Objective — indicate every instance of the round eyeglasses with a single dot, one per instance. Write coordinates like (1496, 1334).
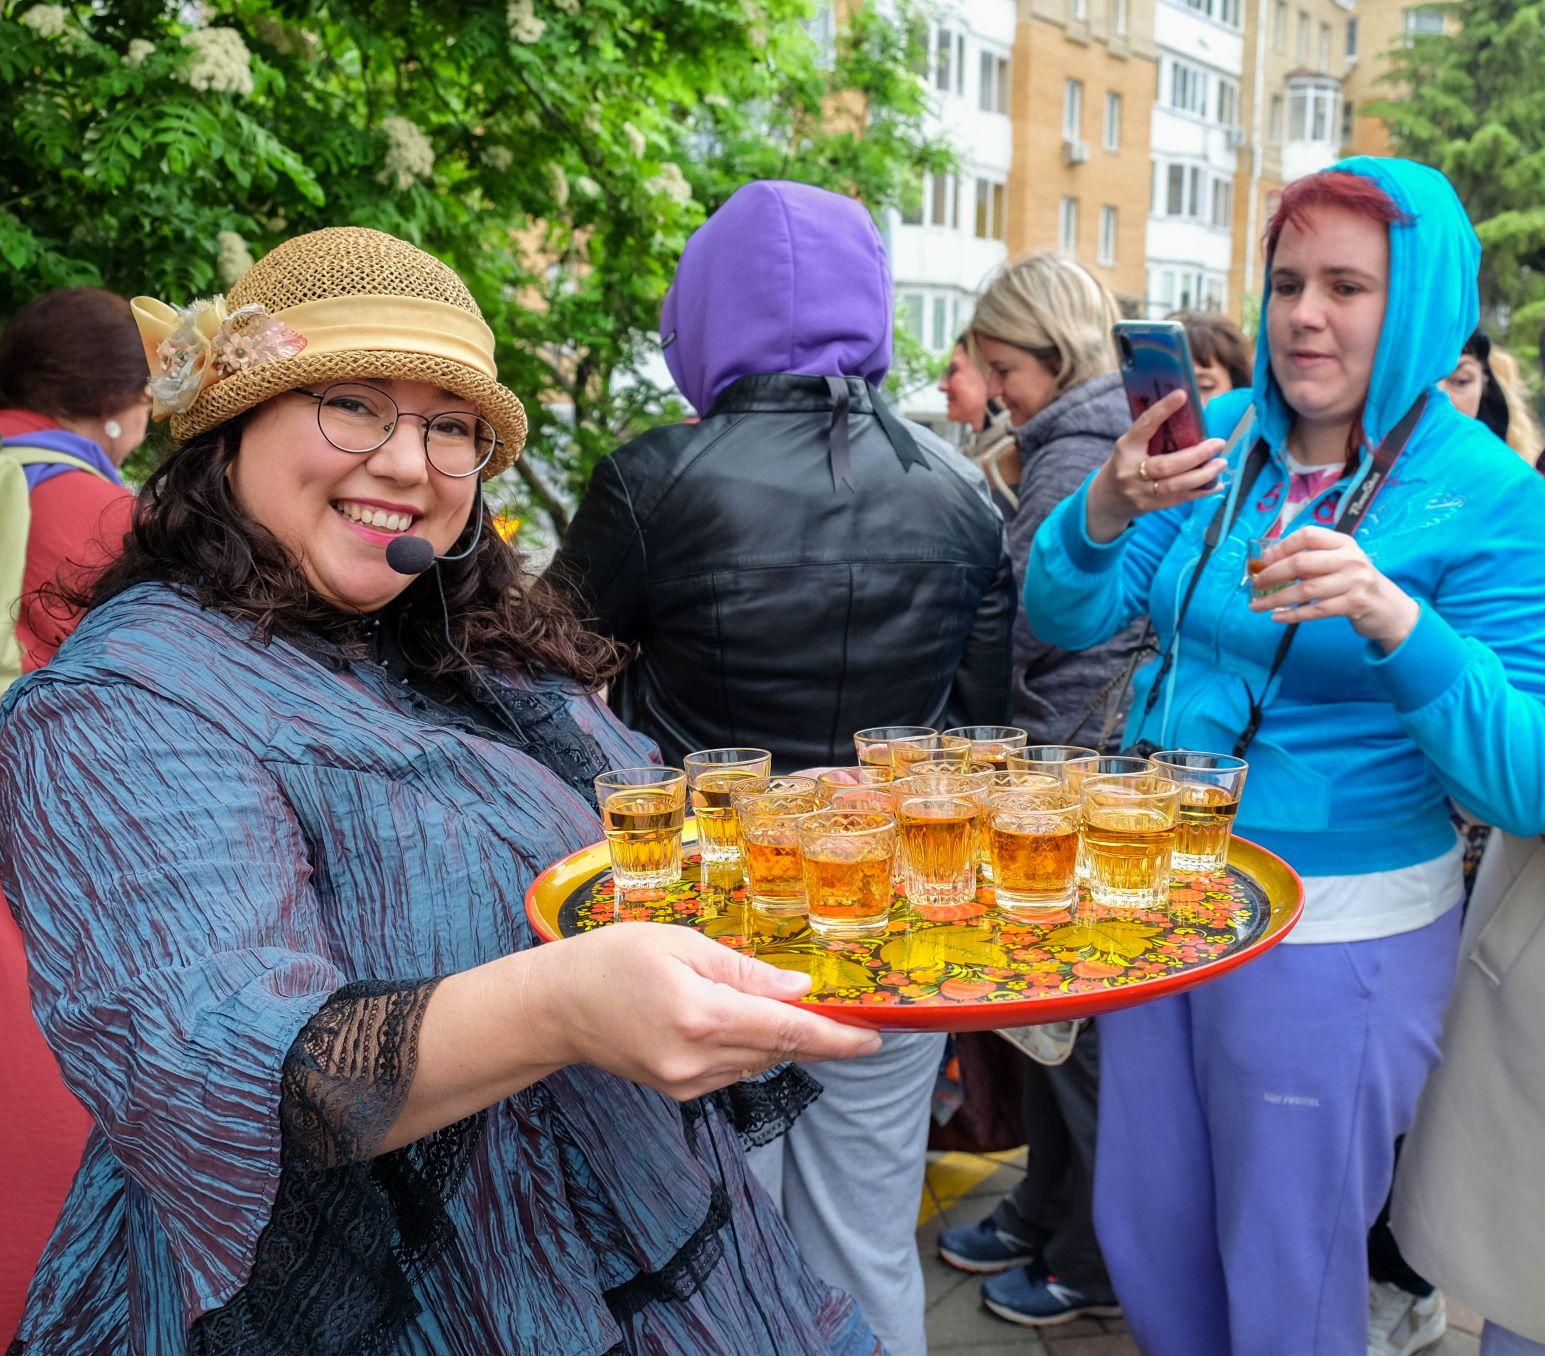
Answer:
(357, 418)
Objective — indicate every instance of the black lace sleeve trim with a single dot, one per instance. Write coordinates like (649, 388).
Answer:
(682, 1276)
(350, 1231)
(763, 1109)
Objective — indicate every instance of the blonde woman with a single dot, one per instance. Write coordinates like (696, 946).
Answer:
(1523, 429)
(1042, 334)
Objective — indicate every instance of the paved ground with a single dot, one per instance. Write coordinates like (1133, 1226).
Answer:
(962, 1188)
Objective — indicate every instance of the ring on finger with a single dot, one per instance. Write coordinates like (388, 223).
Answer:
(1142, 469)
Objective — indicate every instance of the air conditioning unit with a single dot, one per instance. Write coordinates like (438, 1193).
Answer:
(1235, 137)
(1075, 151)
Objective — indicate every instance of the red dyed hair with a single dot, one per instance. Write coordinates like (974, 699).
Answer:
(1354, 193)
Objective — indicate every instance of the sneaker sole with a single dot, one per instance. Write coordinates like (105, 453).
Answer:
(1031, 1321)
(977, 1268)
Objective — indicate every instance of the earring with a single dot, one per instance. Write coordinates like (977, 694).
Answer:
(113, 429)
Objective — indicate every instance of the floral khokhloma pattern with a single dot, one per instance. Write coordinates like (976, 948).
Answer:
(975, 956)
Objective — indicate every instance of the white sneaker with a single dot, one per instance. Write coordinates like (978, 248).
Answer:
(1399, 1324)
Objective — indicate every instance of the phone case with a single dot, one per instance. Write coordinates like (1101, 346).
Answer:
(1155, 359)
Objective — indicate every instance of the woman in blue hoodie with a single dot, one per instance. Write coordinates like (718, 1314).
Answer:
(1247, 1128)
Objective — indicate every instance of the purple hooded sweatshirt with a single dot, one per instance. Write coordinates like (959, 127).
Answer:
(784, 277)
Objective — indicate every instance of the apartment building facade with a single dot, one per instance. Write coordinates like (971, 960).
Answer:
(1381, 27)
(1196, 139)
(944, 246)
(1082, 104)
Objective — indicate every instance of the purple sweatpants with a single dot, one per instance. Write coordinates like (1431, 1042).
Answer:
(1246, 1142)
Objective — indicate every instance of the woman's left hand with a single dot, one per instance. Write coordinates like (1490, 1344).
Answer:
(1327, 574)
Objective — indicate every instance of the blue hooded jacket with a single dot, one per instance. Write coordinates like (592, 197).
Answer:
(1357, 749)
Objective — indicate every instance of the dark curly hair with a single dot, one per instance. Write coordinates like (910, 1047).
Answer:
(190, 532)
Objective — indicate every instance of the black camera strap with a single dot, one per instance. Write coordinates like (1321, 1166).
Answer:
(1359, 500)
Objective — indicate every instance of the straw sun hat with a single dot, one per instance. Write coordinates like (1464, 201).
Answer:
(336, 304)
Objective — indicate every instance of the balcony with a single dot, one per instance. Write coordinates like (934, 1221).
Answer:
(1313, 138)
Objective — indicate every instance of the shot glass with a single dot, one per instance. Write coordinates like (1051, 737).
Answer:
(1047, 757)
(711, 773)
(769, 830)
(1129, 839)
(847, 856)
(991, 743)
(933, 779)
(1033, 838)
(1075, 771)
(642, 809)
(1210, 787)
(938, 846)
(949, 750)
(874, 744)
(1258, 547)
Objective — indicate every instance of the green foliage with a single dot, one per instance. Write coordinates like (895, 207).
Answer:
(574, 147)
(1471, 103)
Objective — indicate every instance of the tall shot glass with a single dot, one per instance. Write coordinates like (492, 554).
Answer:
(711, 775)
(847, 857)
(938, 845)
(642, 809)
(1032, 834)
(769, 829)
(1129, 840)
(1210, 787)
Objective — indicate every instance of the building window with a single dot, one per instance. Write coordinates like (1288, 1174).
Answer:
(944, 201)
(1225, 11)
(1118, 12)
(1346, 122)
(939, 332)
(912, 313)
(1067, 226)
(991, 210)
(1351, 41)
(1187, 88)
(1274, 122)
(1108, 236)
(1080, 10)
(1325, 48)
(1112, 138)
(1424, 19)
(1279, 26)
(1222, 203)
(1314, 113)
(1072, 109)
(1302, 50)
(949, 60)
(993, 96)
(1228, 103)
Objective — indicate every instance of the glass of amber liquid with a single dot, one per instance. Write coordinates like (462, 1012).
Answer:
(1129, 839)
(1032, 835)
(991, 743)
(711, 773)
(874, 744)
(1075, 771)
(642, 809)
(769, 832)
(1258, 546)
(948, 750)
(1047, 758)
(1210, 787)
(938, 779)
(848, 857)
(938, 851)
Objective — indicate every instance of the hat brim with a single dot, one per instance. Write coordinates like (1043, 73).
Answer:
(239, 392)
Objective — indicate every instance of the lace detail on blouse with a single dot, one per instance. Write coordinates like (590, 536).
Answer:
(763, 1109)
(334, 1267)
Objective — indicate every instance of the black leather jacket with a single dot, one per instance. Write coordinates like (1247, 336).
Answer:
(775, 607)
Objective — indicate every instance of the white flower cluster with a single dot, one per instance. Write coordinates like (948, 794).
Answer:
(637, 143)
(560, 185)
(139, 50)
(586, 187)
(567, 6)
(409, 156)
(220, 61)
(671, 183)
(47, 21)
(524, 25)
(234, 258)
(498, 158)
(296, 42)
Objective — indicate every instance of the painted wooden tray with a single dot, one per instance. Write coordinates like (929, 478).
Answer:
(975, 972)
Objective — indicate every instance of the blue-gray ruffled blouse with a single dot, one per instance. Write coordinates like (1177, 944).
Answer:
(240, 868)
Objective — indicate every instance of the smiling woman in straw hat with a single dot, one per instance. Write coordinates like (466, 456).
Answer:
(267, 822)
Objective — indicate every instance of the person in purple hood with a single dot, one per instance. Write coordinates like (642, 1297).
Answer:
(799, 565)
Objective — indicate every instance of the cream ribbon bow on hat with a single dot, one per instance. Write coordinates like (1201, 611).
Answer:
(189, 348)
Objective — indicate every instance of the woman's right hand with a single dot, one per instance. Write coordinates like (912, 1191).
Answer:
(1133, 482)
(669, 1008)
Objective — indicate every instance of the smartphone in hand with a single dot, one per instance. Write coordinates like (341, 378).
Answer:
(1155, 359)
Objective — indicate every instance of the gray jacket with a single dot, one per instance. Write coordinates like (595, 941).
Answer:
(1057, 693)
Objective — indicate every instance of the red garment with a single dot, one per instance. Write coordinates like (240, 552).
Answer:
(78, 520)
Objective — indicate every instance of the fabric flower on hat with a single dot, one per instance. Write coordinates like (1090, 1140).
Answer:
(220, 61)
(191, 347)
